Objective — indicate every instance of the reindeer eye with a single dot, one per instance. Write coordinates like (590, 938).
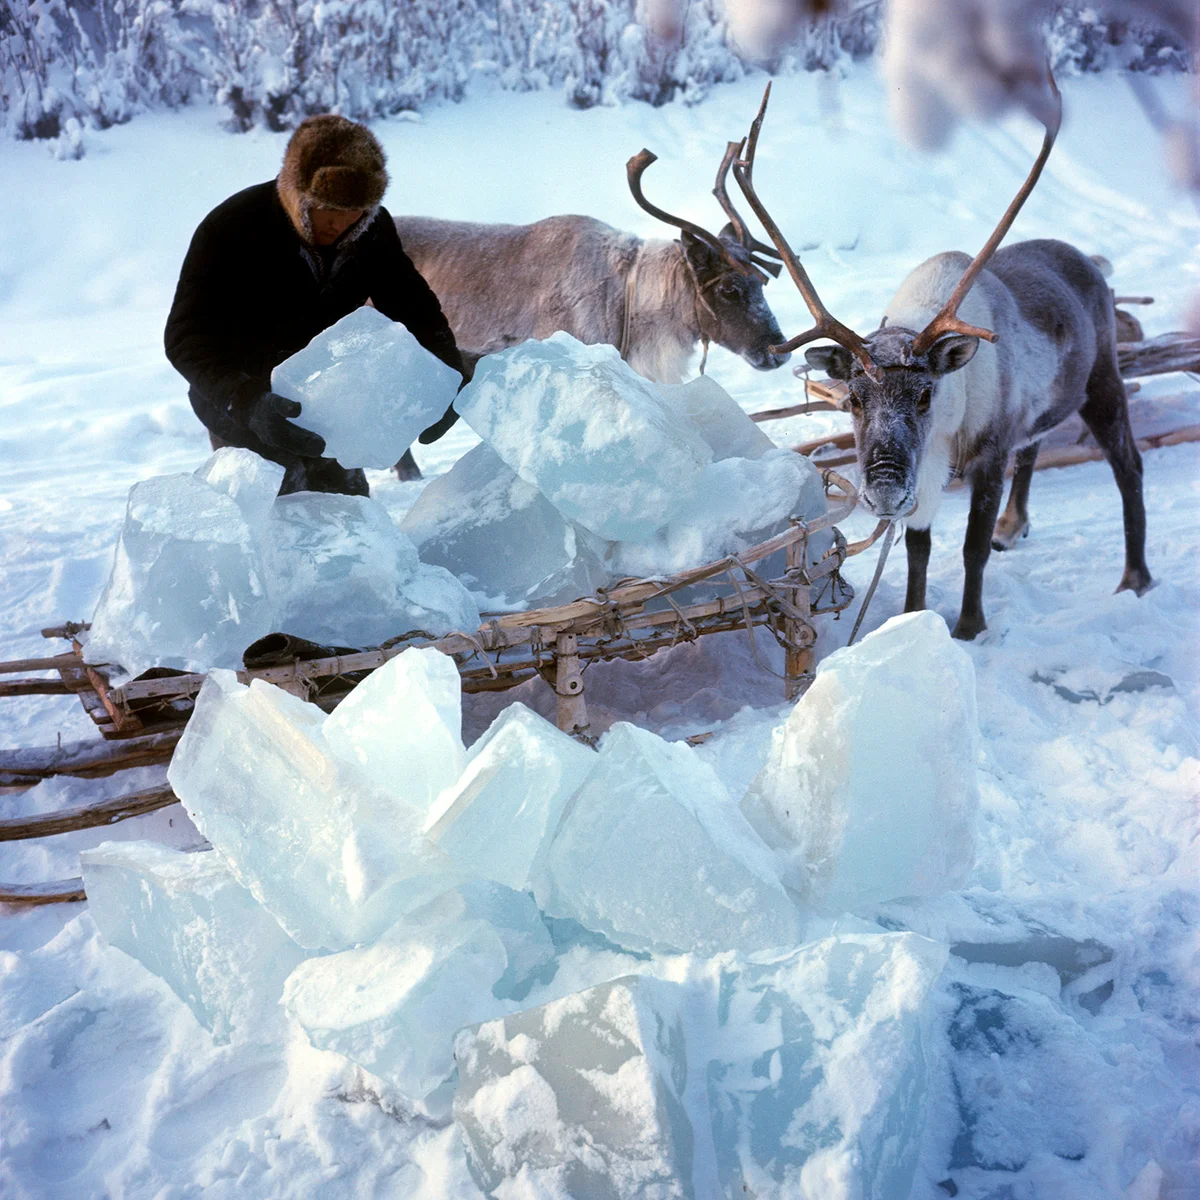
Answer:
(925, 400)
(728, 289)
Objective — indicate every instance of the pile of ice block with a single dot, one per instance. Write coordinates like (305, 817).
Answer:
(208, 563)
(588, 472)
(592, 958)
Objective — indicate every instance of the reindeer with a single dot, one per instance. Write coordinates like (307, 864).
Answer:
(1036, 344)
(654, 300)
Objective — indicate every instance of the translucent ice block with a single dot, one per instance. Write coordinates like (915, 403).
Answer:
(249, 480)
(581, 1097)
(394, 1006)
(596, 439)
(187, 589)
(719, 418)
(341, 573)
(187, 919)
(870, 791)
(500, 815)
(368, 387)
(817, 1081)
(402, 726)
(500, 536)
(333, 857)
(652, 853)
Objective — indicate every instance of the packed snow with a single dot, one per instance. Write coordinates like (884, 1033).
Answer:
(1025, 1031)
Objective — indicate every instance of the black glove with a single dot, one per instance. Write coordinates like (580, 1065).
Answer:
(268, 416)
(439, 428)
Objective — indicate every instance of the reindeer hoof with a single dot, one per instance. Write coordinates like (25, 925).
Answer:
(1005, 537)
(1137, 581)
(967, 629)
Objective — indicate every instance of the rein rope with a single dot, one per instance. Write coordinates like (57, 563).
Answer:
(627, 317)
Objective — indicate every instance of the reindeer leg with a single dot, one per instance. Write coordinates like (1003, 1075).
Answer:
(1014, 523)
(916, 542)
(987, 489)
(1106, 414)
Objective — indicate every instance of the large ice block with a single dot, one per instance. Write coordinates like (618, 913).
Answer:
(498, 534)
(652, 853)
(817, 1079)
(187, 919)
(187, 588)
(870, 791)
(596, 439)
(333, 857)
(341, 573)
(503, 810)
(395, 1006)
(249, 480)
(740, 503)
(368, 387)
(719, 418)
(581, 1097)
(402, 726)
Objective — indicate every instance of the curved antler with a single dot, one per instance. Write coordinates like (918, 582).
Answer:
(827, 325)
(756, 248)
(634, 169)
(947, 320)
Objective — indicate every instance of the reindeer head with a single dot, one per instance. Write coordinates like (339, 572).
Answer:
(893, 374)
(894, 409)
(728, 272)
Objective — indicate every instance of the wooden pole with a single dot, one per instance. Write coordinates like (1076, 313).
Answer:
(85, 760)
(798, 657)
(57, 891)
(571, 715)
(86, 816)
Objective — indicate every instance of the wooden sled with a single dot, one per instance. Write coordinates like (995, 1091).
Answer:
(141, 721)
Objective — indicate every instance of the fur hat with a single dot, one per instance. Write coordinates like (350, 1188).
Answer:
(331, 162)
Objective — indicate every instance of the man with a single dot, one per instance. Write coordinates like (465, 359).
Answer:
(273, 266)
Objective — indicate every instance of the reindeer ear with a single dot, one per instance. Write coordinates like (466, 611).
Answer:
(835, 361)
(950, 353)
(701, 255)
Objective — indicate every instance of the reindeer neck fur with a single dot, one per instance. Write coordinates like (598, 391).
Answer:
(664, 326)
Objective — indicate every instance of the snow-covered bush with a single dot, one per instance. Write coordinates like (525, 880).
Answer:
(272, 62)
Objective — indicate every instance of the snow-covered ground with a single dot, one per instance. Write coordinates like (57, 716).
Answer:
(108, 1087)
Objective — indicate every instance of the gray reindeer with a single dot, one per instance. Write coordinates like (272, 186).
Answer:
(1036, 343)
(654, 300)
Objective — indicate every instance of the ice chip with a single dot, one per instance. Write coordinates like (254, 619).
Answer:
(368, 387)
(596, 439)
(341, 573)
(652, 854)
(581, 1097)
(395, 1006)
(498, 534)
(402, 726)
(718, 417)
(249, 480)
(498, 818)
(870, 791)
(187, 588)
(333, 857)
(185, 918)
(817, 1081)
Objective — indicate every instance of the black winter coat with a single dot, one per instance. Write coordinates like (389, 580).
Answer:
(251, 293)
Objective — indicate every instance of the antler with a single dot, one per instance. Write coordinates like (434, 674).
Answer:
(827, 325)
(634, 169)
(947, 321)
(740, 227)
